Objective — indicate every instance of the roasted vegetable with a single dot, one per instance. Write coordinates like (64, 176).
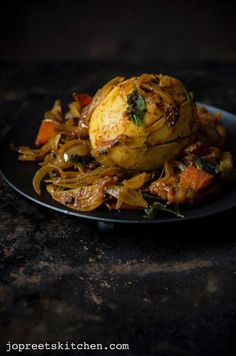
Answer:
(194, 178)
(82, 99)
(46, 131)
(49, 125)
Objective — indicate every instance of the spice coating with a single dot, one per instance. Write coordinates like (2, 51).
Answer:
(149, 118)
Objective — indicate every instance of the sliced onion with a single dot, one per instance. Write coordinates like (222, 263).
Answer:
(83, 179)
(40, 174)
(137, 181)
(130, 197)
(76, 147)
(27, 154)
(55, 113)
(85, 198)
(168, 171)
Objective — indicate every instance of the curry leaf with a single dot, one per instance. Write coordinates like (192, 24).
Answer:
(153, 210)
(206, 166)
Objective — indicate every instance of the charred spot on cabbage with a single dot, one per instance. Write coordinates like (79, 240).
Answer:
(136, 107)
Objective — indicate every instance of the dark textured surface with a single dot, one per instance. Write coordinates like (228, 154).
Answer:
(170, 290)
(127, 30)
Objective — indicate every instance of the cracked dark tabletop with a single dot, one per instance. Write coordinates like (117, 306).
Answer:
(167, 289)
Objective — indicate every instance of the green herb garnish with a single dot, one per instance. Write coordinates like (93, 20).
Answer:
(136, 108)
(190, 96)
(206, 166)
(155, 207)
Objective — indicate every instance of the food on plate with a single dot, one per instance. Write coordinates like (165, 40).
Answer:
(138, 144)
(142, 122)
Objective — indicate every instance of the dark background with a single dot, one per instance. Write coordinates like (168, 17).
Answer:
(126, 31)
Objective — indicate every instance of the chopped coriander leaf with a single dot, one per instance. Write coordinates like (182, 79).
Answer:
(136, 108)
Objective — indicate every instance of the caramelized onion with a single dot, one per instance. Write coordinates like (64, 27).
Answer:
(126, 196)
(40, 174)
(85, 198)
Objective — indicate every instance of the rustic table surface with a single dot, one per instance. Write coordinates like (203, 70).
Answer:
(165, 290)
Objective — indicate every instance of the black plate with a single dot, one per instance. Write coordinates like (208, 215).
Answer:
(19, 176)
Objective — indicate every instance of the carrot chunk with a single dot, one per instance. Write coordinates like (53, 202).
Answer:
(83, 99)
(46, 130)
(194, 178)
